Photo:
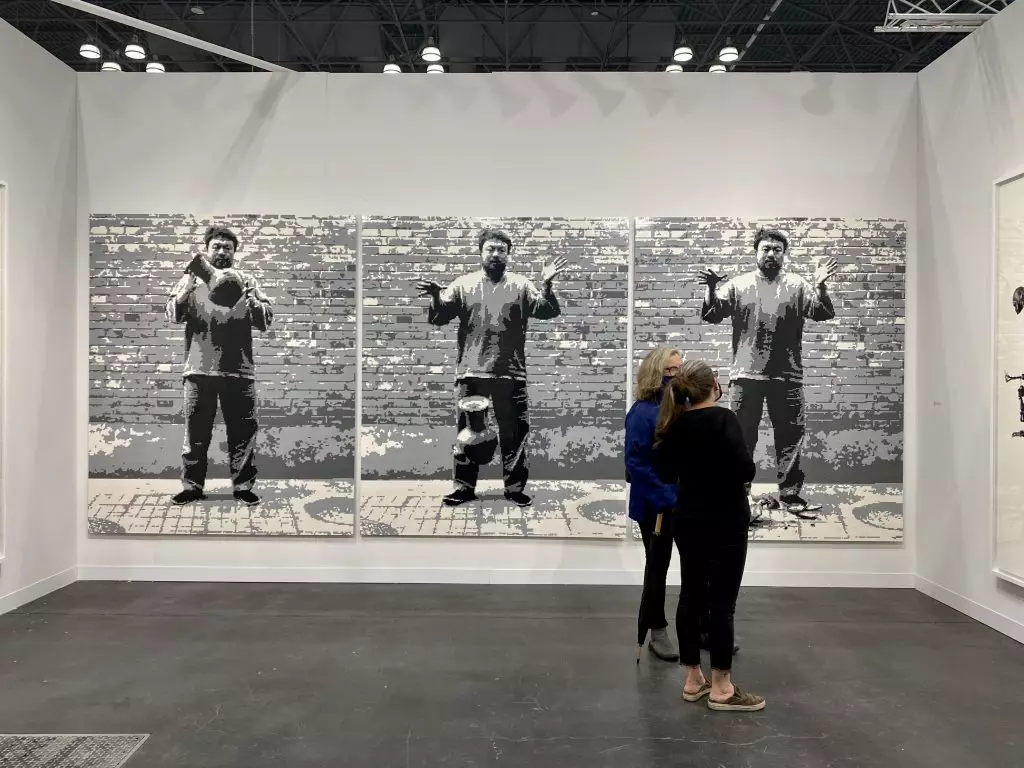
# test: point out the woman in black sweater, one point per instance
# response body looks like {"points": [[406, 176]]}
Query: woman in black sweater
{"points": [[700, 447]]}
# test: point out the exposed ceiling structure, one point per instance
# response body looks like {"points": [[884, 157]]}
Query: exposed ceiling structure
{"points": [[515, 35]]}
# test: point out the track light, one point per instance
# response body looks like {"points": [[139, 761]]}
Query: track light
{"points": [[435, 69], [110, 66], [729, 53], [431, 52], [674, 68], [716, 68], [683, 53], [134, 49], [155, 66], [89, 50]]}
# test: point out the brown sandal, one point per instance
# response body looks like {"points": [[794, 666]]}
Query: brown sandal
{"points": [[703, 691], [738, 702]]}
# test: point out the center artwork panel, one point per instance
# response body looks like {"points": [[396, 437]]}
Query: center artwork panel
{"points": [[494, 377]]}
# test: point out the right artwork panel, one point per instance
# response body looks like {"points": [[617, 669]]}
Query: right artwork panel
{"points": [[1009, 426], [803, 320]]}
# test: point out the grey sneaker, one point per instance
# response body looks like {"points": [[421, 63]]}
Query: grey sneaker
{"points": [[661, 645]]}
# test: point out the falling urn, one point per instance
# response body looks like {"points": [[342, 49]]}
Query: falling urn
{"points": [[226, 285], [477, 441]]}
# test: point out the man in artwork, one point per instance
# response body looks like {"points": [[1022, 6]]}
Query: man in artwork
{"points": [[768, 307], [493, 307], [219, 364]]}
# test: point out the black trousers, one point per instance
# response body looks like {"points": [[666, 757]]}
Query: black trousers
{"points": [[786, 411], [711, 562], [237, 399], [511, 406], [658, 551]]}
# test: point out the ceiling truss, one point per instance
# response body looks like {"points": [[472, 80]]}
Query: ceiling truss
{"points": [[510, 35]]}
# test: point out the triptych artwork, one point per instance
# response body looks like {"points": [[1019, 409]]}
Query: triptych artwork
{"points": [[492, 358]]}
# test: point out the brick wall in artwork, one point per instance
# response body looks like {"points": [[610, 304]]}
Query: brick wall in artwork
{"points": [[576, 362], [305, 362], [853, 365]]}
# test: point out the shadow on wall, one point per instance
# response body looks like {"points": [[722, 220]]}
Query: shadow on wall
{"points": [[854, 455], [154, 450]]}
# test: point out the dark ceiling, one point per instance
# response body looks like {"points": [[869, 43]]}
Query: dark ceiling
{"points": [[497, 35]]}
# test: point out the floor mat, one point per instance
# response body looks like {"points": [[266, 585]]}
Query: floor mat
{"points": [[68, 750]]}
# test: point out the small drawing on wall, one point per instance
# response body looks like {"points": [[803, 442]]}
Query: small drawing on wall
{"points": [[804, 321], [493, 377], [249, 318]]}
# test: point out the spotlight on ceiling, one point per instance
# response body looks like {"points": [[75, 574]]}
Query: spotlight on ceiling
{"points": [[110, 66], [155, 66], [89, 50], [729, 53], [435, 69], [431, 52], [674, 68], [716, 68], [683, 53], [197, 10], [134, 49], [392, 69]]}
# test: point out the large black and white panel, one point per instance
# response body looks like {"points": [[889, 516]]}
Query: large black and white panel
{"points": [[506, 393], [222, 375], [805, 327]]}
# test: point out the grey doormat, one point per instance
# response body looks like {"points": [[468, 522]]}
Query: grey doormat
{"points": [[68, 750]]}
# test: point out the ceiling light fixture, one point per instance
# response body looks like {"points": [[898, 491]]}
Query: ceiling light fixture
{"points": [[134, 49], [89, 49], [197, 10], [431, 52], [729, 52], [155, 66], [683, 53], [110, 66], [435, 69], [674, 68], [392, 69], [716, 68]]}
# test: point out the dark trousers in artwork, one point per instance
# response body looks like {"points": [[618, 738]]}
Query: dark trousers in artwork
{"points": [[237, 398], [658, 558], [785, 401], [510, 406], [711, 562]]}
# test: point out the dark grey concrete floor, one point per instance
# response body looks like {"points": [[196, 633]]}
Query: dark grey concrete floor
{"points": [[296, 676]]}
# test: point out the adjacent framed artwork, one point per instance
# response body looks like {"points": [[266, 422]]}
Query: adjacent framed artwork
{"points": [[4, 191], [1008, 401]]}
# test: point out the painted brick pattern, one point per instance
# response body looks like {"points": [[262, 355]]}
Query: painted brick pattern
{"points": [[853, 365], [305, 362], [576, 362]]}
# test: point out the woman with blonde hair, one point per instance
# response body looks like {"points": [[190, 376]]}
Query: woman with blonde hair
{"points": [[700, 448], [651, 497]]}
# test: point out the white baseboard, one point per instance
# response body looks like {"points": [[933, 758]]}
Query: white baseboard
{"points": [[391, 575], [39, 589], [976, 611]]}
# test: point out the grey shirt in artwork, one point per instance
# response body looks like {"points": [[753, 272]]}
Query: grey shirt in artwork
{"points": [[767, 322], [492, 322], [218, 340]]}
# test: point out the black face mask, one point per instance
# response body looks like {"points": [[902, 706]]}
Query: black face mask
{"points": [[718, 391], [665, 380]]}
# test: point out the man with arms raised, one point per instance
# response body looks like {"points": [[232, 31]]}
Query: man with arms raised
{"points": [[768, 307], [493, 307]]}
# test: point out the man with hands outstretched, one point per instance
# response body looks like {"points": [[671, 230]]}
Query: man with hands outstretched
{"points": [[219, 367], [493, 307], [768, 307]]}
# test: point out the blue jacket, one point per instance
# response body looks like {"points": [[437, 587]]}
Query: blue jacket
{"points": [[647, 493]]}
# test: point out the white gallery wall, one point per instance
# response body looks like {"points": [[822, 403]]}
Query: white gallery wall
{"points": [[744, 145], [972, 133], [41, 499]]}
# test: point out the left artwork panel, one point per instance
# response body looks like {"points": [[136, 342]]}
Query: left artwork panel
{"points": [[222, 375]]}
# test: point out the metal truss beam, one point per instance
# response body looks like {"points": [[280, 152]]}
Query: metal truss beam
{"points": [[939, 15]]}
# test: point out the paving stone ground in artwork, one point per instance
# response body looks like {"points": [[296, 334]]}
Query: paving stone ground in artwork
{"points": [[68, 751], [136, 506]]}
